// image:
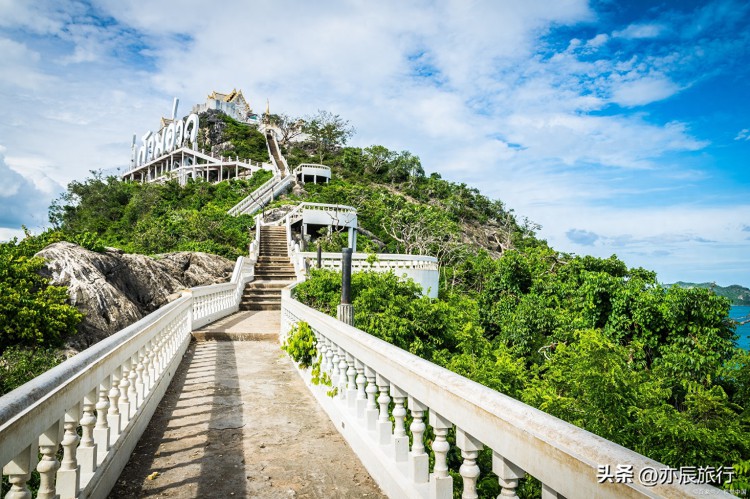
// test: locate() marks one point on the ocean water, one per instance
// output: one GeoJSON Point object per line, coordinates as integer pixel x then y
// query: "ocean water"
{"type": "Point", "coordinates": [742, 312]}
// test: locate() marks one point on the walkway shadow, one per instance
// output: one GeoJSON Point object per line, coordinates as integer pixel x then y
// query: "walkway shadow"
{"type": "Point", "coordinates": [194, 442]}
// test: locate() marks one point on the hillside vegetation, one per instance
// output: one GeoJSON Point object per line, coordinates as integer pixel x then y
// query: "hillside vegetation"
{"type": "Point", "coordinates": [739, 295]}
{"type": "Point", "coordinates": [586, 339]}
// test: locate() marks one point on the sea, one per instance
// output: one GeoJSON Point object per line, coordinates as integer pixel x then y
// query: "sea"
{"type": "Point", "coordinates": [741, 312]}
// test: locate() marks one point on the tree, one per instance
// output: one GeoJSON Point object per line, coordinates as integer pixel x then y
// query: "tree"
{"type": "Point", "coordinates": [327, 131]}
{"type": "Point", "coordinates": [288, 126]}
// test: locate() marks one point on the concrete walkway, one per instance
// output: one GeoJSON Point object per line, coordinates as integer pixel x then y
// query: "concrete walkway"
{"type": "Point", "coordinates": [249, 325]}
{"type": "Point", "coordinates": [237, 421]}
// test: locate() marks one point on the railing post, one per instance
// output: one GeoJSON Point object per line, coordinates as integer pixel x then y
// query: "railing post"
{"type": "Point", "coordinates": [101, 430]}
{"type": "Point", "coordinates": [361, 394]}
{"type": "Point", "coordinates": [371, 410]}
{"type": "Point", "coordinates": [400, 440]}
{"type": "Point", "coordinates": [133, 389]}
{"type": "Point", "coordinates": [113, 413]}
{"type": "Point", "coordinates": [469, 469]}
{"type": "Point", "coordinates": [351, 386]}
{"type": "Point", "coordinates": [69, 474]}
{"type": "Point", "coordinates": [49, 441]}
{"type": "Point", "coordinates": [420, 461]}
{"type": "Point", "coordinates": [384, 423]}
{"type": "Point", "coordinates": [87, 449]}
{"type": "Point", "coordinates": [508, 475]}
{"type": "Point", "coordinates": [441, 483]}
{"type": "Point", "coordinates": [19, 472]}
{"type": "Point", "coordinates": [343, 366]}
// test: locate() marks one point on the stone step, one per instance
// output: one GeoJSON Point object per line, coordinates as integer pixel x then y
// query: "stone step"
{"type": "Point", "coordinates": [261, 306]}
{"type": "Point", "coordinates": [264, 259]}
{"type": "Point", "coordinates": [277, 286]}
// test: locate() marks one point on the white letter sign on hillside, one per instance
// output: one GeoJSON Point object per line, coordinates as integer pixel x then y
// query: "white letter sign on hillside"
{"type": "Point", "coordinates": [176, 135]}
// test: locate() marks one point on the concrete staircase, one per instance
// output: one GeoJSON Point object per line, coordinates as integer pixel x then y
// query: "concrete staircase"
{"type": "Point", "coordinates": [273, 271]}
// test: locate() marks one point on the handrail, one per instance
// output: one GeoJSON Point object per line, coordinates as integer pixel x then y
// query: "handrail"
{"type": "Point", "coordinates": [296, 212]}
{"type": "Point", "coordinates": [254, 197]}
{"type": "Point", "coordinates": [563, 457]}
{"type": "Point", "coordinates": [110, 390]}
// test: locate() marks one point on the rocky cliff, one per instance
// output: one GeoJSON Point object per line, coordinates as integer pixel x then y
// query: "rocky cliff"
{"type": "Point", "coordinates": [114, 289]}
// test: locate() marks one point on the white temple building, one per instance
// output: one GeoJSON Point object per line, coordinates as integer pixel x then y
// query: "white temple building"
{"type": "Point", "coordinates": [233, 104]}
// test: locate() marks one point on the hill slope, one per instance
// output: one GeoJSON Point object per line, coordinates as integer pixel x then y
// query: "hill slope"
{"type": "Point", "coordinates": [739, 295]}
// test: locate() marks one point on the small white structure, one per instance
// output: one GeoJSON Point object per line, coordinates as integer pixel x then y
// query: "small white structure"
{"type": "Point", "coordinates": [309, 172]}
{"type": "Point", "coordinates": [232, 104]}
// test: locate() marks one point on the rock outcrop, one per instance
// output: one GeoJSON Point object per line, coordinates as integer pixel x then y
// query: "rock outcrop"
{"type": "Point", "coordinates": [114, 289]}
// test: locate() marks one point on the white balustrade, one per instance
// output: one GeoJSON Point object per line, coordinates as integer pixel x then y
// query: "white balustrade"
{"type": "Point", "coordinates": [523, 440]}
{"type": "Point", "coordinates": [421, 269]}
{"type": "Point", "coordinates": [110, 390]}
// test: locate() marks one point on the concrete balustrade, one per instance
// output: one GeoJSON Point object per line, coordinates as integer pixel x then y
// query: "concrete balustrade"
{"type": "Point", "coordinates": [421, 269]}
{"type": "Point", "coordinates": [523, 440]}
{"type": "Point", "coordinates": [110, 390]}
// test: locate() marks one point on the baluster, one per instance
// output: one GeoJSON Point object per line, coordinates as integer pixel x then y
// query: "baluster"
{"type": "Point", "coordinates": [152, 368]}
{"type": "Point", "coordinates": [400, 440]}
{"type": "Point", "coordinates": [101, 430]}
{"type": "Point", "coordinates": [87, 449]}
{"type": "Point", "coordinates": [133, 396]}
{"type": "Point", "coordinates": [343, 366]}
{"type": "Point", "coordinates": [19, 472]}
{"type": "Point", "coordinates": [351, 386]}
{"type": "Point", "coordinates": [384, 423]}
{"type": "Point", "coordinates": [49, 442]}
{"type": "Point", "coordinates": [420, 461]}
{"type": "Point", "coordinates": [125, 395]}
{"type": "Point", "coordinates": [508, 475]}
{"type": "Point", "coordinates": [329, 358]}
{"type": "Point", "coordinates": [113, 413]}
{"type": "Point", "coordinates": [441, 483]}
{"type": "Point", "coordinates": [361, 394]}
{"type": "Point", "coordinates": [69, 474]}
{"type": "Point", "coordinates": [469, 470]}
{"type": "Point", "coordinates": [141, 377]}
{"type": "Point", "coordinates": [371, 410]}
{"type": "Point", "coordinates": [322, 351]}
{"type": "Point", "coordinates": [334, 364]}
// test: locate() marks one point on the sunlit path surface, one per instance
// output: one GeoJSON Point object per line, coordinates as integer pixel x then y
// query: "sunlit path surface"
{"type": "Point", "coordinates": [237, 421]}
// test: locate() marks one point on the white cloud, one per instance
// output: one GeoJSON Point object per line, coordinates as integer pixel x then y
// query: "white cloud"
{"type": "Point", "coordinates": [21, 199]}
{"type": "Point", "coordinates": [743, 134]}
{"type": "Point", "coordinates": [472, 88]}
{"type": "Point", "coordinates": [639, 31]}
{"type": "Point", "coordinates": [644, 90]}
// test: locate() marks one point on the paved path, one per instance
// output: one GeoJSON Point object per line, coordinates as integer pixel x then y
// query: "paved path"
{"type": "Point", "coordinates": [237, 421]}
{"type": "Point", "coordinates": [243, 326]}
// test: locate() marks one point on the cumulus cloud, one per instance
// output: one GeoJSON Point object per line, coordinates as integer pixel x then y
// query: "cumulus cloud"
{"type": "Point", "coordinates": [22, 200]}
{"type": "Point", "coordinates": [743, 134]}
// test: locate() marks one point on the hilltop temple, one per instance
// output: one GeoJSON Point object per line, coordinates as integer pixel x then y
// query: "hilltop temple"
{"type": "Point", "coordinates": [233, 104]}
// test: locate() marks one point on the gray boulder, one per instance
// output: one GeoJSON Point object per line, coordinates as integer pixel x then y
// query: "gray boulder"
{"type": "Point", "coordinates": [115, 289]}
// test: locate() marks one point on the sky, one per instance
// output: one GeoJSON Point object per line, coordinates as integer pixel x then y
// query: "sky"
{"type": "Point", "coordinates": [619, 127]}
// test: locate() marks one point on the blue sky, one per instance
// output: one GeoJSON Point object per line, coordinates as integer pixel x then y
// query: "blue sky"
{"type": "Point", "coordinates": [620, 127]}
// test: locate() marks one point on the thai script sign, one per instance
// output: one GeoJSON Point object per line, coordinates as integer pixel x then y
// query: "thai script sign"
{"type": "Point", "coordinates": [177, 134]}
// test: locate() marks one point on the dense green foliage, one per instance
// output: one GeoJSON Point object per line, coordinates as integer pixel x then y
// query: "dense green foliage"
{"type": "Point", "coordinates": [739, 295]}
{"type": "Point", "coordinates": [584, 339]}
{"type": "Point", "coordinates": [34, 316]}
{"type": "Point", "coordinates": [245, 141]}
{"type": "Point", "coordinates": [156, 218]}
